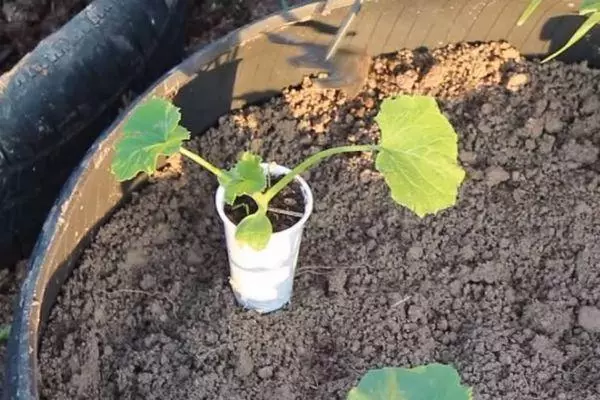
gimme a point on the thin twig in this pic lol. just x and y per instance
(404, 300)
(286, 212)
(323, 269)
(571, 372)
(328, 267)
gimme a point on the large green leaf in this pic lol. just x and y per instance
(152, 130)
(533, 4)
(431, 382)
(418, 154)
(246, 177)
(589, 23)
(255, 230)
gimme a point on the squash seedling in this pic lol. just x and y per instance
(427, 382)
(416, 154)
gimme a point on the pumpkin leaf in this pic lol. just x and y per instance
(433, 381)
(151, 130)
(255, 230)
(245, 178)
(418, 154)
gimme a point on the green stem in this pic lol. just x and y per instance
(202, 162)
(311, 161)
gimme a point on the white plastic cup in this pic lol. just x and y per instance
(263, 280)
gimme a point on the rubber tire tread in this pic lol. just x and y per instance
(62, 95)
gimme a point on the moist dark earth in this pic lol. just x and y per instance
(23, 23)
(505, 285)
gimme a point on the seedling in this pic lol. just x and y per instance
(428, 382)
(591, 8)
(417, 156)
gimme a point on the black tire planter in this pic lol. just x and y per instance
(248, 66)
(57, 100)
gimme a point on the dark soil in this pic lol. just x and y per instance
(505, 285)
(290, 199)
(23, 23)
(9, 287)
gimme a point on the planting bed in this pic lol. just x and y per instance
(23, 23)
(505, 285)
(32, 20)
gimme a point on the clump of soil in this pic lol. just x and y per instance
(504, 285)
(285, 210)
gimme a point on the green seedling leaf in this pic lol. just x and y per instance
(589, 6)
(533, 4)
(589, 23)
(152, 130)
(255, 230)
(418, 154)
(434, 381)
(245, 178)
(4, 333)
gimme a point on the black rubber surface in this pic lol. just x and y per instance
(247, 66)
(60, 97)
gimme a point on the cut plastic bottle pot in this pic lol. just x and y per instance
(263, 280)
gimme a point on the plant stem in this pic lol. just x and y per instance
(202, 162)
(312, 160)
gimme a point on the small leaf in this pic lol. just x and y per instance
(255, 230)
(418, 154)
(533, 4)
(589, 6)
(589, 23)
(152, 130)
(246, 177)
(4, 333)
(434, 381)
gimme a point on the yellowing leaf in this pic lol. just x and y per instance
(430, 382)
(255, 230)
(418, 154)
(152, 130)
(245, 178)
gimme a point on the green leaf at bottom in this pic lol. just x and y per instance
(418, 154)
(430, 382)
(255, 230)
